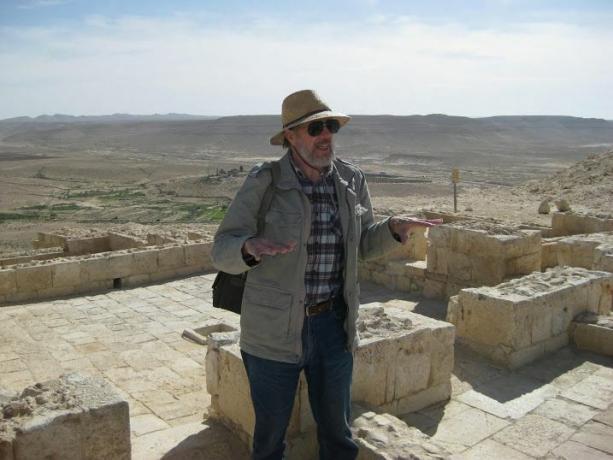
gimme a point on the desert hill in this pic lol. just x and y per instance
(588, 182)
(451, 139)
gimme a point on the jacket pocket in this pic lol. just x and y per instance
(282, 226)
(265, 314)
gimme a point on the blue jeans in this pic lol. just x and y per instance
(328, 369)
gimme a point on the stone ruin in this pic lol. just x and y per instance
(519, 321)
(514, 295)
(402, 364)
(73, 418)
(77, 262)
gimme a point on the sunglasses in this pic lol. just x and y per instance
(315, 128)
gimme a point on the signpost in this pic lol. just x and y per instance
(455, 178)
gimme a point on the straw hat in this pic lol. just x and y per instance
(303, 107)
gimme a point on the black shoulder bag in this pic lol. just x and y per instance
(228, 289)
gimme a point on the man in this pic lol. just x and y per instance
(301, 296)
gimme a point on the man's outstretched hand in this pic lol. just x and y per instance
(400, 226)
(258, 247)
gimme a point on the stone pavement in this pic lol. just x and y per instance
(558, 407)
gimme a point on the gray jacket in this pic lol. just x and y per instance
(273, 302)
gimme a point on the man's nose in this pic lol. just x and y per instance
(326, 132)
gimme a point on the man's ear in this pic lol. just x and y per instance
(289, 135)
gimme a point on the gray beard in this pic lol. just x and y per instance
(316, 162)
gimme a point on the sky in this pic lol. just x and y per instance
(471, 58)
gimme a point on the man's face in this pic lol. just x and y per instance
(317, 150)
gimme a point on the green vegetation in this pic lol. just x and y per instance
(202, 212)
(108, 195)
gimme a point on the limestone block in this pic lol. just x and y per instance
(442, 354)
(403, 363)
(549, 254)
(516, 322)
(523, 265)
(488, 270)
(383, 436)
(94, 268)
(135, 280)
(396, 267)
(434, 289)
(439, 262)
(8, 281)
(233, 401)
(121, 264)
(119, 241)
(459, 266)
(416, 269)
(417, 401)
(171, 257)
(540, 322)
(145, 261)
(36, 278)
(74, 417)
(198, 255)
(418, 243)
(603, 259)
(61, 291)
(520, 357)
(409, 355)
(370, 377)
(66, 273)
(80, 246)
(593, 337)
(556, 342)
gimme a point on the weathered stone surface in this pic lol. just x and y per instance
(95, 268)
(403, 363)
(8, 281)
(34, 278)
(572, 223)
(572, 450)
(567, 412)
(593, 337)
(594, 391)
(66, 273)
(596, 435)
(516, 322)
(74, 417)
(383, 436)
(171, 257)
(489, 450)
(534, 435)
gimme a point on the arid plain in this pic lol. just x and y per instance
(96, 172)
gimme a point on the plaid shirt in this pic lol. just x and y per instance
(324, 268)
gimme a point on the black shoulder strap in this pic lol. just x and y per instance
(267, 199)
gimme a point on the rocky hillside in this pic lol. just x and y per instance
(588, 183)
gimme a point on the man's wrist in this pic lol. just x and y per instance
(249, 259)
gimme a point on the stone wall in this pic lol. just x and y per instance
(519, 321)
(478, 254)
(402, 364)
(572, 223)
(102, 271)
(403, 268)
(72, 418)
(592, 251)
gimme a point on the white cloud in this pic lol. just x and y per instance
(33, 4)
(389, 65)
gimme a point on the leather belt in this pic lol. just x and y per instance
(319, 308)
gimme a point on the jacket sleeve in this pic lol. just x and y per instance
(376, 238)
(240, 223)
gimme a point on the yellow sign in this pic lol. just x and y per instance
(455, 175)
